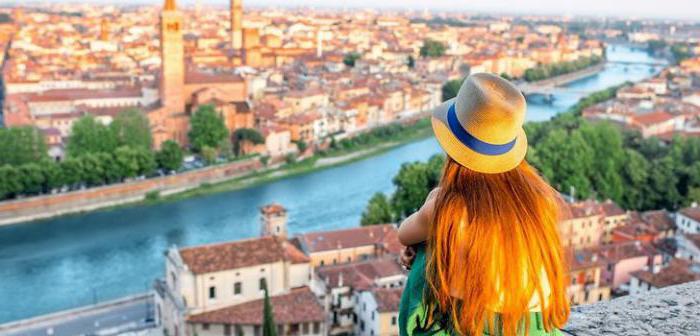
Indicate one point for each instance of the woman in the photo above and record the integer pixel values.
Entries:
(488, 258)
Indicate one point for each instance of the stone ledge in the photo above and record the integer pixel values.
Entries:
(672, 310)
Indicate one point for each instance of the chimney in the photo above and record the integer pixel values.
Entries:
(273, 221)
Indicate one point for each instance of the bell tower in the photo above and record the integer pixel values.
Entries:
(273, 221)
(172, 55)
(236, 24)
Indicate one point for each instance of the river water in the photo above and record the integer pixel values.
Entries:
(72, 261)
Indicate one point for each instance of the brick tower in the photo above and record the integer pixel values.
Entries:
(172, 55)
(236, 24)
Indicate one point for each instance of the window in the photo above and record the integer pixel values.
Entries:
(372, 316)
(263, 283)
(212, 292)
(205, 326)
(256, 330)
(364, 306)
(239, 330)
(317, 328)
(305, 328)
(362, 325)
(393, 320)
(322, 262)
(236, 288)
(227, 330)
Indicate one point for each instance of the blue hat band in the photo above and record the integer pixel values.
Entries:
(471, 141)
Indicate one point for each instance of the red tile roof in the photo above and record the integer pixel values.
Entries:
(387, 299)
(678, 271)
(692, 213)
(243, 253)
(359, 275)
(385, 235)
(273, 208)
(300, 305)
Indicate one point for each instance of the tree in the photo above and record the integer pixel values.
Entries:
(131, 128)
(302, 146)
(269, 327)
(242, 135)
(411, 62)
(72, 171)
(89, 136)
(207, 128)
(209, 155)
(53, 176)
(413, 182)
(451, 88)
(20, 145)
(146, 161)
(432, 48)
(378, 211)
(93, 169)
(127, 162)
(565, 161)
(170, 156)
(10, 182)
(350, 58)
(32, 178)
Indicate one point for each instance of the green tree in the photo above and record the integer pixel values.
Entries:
(147, 162)
(349, 59)
(127, 162)
(20, 145)
(269, 327)
(243, 135)
(606, 144)
(89, 136)
(207, 128)
(110, 172)
(53, 176)
(451, 88)
(170, 156)
(635, 173)
(432, 48)
(131, 128)
(565, 161)
(209, 155)
(412, 187)
(378, 210)
(72, 171)
(302, 145)
(93, 169)
(32, 178)
(10, 182)
(411, 62)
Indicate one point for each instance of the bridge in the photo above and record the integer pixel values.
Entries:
(652, 63)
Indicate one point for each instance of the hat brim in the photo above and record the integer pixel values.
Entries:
(465, 156)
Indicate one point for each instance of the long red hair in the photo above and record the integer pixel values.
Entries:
(493, 247)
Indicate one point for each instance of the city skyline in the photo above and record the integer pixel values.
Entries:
(676, 9)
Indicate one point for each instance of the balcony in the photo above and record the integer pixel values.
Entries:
(672, 310)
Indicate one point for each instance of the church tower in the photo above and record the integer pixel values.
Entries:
(273, 220)
(172, 55)
(236, 24)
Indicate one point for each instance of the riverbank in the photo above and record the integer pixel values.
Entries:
(209, 180)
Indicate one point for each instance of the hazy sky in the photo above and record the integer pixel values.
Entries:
(684, 9)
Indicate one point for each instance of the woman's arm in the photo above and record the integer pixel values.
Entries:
(415, 228)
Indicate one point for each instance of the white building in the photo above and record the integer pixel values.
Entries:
(688, 219)
(377, 312)
(688, 247)
(217, 289)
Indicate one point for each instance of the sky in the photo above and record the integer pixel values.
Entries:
(678, 9)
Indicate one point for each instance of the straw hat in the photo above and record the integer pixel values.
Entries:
(482, 128)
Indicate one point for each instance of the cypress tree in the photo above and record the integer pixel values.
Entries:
(269, 327)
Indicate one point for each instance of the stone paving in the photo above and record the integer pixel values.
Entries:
(668, 311)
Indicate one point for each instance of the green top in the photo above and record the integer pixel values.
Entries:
(411, 308)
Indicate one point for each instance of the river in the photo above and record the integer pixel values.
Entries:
(61, 263)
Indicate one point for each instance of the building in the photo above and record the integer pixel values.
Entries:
(377, 312)
(688, 219)
(621, 259)
(688, 246)
(236, 24)
(677, 272)
(342, 282)
(349, 245)
(217, 289)
(587, 284)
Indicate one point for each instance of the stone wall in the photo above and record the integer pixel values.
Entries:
(89, 199)
(672, 310)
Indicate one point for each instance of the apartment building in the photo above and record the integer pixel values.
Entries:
(377, 312)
